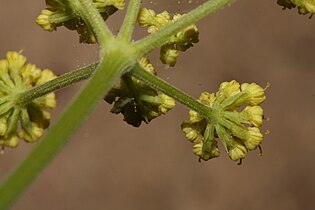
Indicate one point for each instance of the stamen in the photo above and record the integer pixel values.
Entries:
(260, 151)
(240, 162)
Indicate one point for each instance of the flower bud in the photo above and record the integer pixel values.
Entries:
(177, 43)
(255, 138)
(256, 94)
(253, 115)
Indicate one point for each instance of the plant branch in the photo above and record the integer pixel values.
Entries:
(166, 88)
(58, 83)
(127, 28)
(86, 10)
(159, 38)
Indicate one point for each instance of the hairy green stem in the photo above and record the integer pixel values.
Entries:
(86, 10)
(56, 84)
(85, 72)
(160, 37)
(127, 28)
(166, 88)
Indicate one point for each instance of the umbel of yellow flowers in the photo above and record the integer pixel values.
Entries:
(177, 43)
(136, 101)
(59, 13)
(19, 120)
(238, 130)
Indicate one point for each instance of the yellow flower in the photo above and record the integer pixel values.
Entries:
(167, 103)
(146, 17)
(255, 138)
(193, 131)
(43, 20)
(194, 116)
(145, 63)
(59, 13)
(32, 133)
(177, 43)
(229, 89)
(237, 152)
(137, 101)
(256, 94)
(207, 98)
(253, 115)
(12, 142)
(30, 73)
(212, 153)
(310, 6)
(169, 55)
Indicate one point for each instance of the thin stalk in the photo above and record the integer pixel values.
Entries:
(159, 38)
(127, 28)
(106, 74)
(85, 72)
(58, 83)
(86, 10)
(166, 88)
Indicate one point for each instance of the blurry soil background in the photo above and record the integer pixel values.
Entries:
(108, 164)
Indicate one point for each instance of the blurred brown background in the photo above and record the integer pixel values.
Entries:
(108, 164)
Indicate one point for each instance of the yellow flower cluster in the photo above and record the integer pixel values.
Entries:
(59, 13)
(238, 130)
(177, 43)
(137, 101)
(303, 6)
(16, 121)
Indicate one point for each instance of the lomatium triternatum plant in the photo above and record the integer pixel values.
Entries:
(125, 78)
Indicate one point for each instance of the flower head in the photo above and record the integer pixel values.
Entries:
(59, 13)
(238, 130)
(177, 43)
(136, 101)
(29, 121)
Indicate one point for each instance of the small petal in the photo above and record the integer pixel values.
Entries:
(3, 126)
(237, 152)
(12, 142)
(169, 55)
(253, 115)
(167, 103)
(256, 94)
(192, 131)
(254, 139)
(43, 20)
(207, 98)
(33, 134)
(15, 60)
(229, 89)
(195, 116)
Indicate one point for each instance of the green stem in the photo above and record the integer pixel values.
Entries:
(166, 88)
(106, 74)
(86, 10)
(85, 72)
(56, 84)
(127, 28)
(161, 37)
